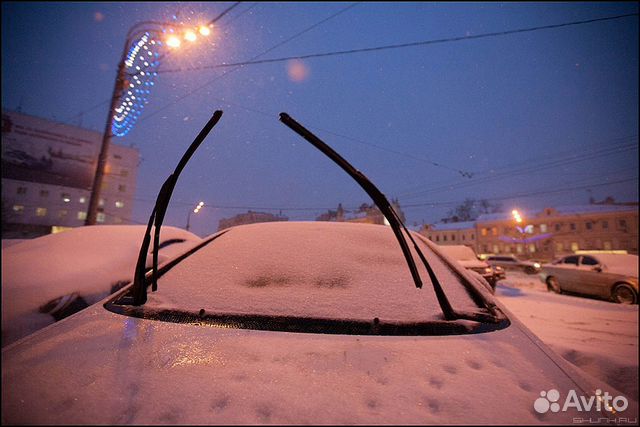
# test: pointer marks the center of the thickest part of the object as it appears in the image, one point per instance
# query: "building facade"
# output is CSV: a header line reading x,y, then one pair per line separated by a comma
x,y
47,174
546,234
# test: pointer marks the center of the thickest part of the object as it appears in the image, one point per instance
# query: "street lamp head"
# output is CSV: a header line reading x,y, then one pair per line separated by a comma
x,y
173,42
204,30
190,36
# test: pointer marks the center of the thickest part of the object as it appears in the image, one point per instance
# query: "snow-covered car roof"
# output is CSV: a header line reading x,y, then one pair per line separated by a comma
x,y
83,260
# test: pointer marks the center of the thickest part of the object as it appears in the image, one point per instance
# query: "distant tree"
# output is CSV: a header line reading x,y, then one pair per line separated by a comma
x,y
471,209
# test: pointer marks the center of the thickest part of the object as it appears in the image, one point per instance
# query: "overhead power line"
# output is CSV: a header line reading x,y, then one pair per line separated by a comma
x,y
399,46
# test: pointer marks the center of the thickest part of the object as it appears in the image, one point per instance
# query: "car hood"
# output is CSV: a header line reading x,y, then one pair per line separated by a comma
x,y
100,367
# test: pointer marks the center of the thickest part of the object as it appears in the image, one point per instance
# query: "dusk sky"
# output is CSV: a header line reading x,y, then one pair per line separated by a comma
x,y
538,118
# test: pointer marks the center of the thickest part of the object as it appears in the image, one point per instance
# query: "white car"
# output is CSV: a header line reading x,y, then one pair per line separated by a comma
x,y
298,323
609,276
50,277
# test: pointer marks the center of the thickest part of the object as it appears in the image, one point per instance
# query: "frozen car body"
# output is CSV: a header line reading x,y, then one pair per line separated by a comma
x,y
101,366
37,271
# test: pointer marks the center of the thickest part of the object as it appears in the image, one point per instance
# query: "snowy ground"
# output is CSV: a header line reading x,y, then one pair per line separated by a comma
x,y
599,337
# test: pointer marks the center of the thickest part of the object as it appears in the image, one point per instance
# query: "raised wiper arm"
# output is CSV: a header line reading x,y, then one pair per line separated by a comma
x,y
385,207
139,289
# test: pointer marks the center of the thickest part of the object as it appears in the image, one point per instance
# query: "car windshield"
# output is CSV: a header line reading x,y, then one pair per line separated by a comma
x,y
307,269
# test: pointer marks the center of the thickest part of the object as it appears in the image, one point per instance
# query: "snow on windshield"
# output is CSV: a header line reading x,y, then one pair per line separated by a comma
x,y
312,269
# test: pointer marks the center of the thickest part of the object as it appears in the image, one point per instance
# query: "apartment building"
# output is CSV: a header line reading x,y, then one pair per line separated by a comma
x,y
47,174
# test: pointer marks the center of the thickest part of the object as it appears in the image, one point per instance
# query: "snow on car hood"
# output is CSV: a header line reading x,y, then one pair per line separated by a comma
x,y
101,367
85,260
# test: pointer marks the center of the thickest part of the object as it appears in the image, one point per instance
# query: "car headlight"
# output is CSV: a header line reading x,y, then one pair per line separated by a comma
x,y
536,265
488,270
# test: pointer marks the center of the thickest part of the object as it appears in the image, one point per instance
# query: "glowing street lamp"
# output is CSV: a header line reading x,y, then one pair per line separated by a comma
x,y
137,70
195,210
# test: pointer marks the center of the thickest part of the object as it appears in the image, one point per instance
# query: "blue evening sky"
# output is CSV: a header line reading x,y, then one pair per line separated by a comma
x,y
541,118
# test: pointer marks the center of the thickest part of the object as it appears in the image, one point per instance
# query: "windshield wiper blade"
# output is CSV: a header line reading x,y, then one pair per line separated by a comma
x,y
385,207
139,289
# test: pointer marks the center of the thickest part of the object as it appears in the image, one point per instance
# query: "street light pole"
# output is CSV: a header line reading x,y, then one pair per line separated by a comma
x,y
92,212
195,210
118,92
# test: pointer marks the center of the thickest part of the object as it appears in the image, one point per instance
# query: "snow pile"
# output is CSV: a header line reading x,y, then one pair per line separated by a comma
x,y
599,337
84,260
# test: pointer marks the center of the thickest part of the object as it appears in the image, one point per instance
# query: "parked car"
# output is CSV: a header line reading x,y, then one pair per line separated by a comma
x,y
511,262
469,260
295,323
609,276
51,277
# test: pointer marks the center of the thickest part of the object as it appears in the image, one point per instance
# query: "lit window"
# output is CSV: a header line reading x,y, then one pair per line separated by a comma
x,y
543,228
101,202
496,249
44,193
82,199
532,248
559,247
82,215
22,190
18,209
41,211
483,231
494,231
62,213
607,246
574,246
65,197
519,248
119,204
100,217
